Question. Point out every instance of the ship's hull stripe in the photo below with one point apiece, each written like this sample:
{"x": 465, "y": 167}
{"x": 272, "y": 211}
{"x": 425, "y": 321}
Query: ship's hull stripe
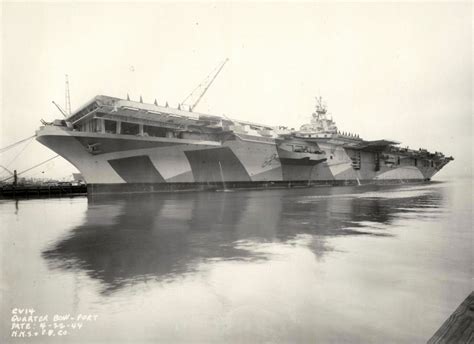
{"x": 216, "y": 165}
{"x": 108, "y": 145}
{"x": 185, "y": 177}
{"x": 136, "y": 169}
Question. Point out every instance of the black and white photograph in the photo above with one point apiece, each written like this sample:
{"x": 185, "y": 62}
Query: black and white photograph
{"x": 236, "y": 172}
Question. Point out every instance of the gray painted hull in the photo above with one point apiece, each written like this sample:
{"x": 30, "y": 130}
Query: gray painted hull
{"x": 132, "y": 188}
{"x": 125, "y": 163}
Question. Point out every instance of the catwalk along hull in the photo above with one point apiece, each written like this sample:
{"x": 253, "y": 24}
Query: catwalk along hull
{"x": 114, "y": 159}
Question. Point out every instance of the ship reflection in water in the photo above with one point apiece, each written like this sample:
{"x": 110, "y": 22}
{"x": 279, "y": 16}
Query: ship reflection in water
{"x": 363, "y": 264}
{"x": 163, "y": 235}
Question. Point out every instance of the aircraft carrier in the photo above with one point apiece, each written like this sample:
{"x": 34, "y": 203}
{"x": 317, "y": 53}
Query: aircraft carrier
{"x": 121, "y": 145}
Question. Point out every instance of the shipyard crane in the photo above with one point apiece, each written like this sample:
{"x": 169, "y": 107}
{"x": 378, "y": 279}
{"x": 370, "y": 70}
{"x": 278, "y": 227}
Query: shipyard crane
{"x": 202, "y": 88}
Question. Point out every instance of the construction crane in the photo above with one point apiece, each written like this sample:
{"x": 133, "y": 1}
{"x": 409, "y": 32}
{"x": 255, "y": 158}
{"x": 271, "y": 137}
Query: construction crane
{"x": 202, "y": 88}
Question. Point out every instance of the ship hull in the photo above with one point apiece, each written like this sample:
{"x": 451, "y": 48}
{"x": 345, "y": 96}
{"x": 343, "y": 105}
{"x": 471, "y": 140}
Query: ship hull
{"x": 99, "y": 189}
{"x": 122, "y": 163}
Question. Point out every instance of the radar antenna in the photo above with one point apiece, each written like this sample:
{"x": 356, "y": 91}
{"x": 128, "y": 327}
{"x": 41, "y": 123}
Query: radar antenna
{"x": 202, "y": 88}
{"x": 321, "y": 108}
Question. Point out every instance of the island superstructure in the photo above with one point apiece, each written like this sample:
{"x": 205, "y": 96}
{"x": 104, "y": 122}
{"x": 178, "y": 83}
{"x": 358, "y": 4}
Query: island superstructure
{"x": 120, "y": 145}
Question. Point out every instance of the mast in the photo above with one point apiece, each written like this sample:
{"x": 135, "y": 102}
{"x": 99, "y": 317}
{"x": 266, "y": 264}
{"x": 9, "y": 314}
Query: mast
{"x": 67, "y": 103}
{"x": 321, "y": 109}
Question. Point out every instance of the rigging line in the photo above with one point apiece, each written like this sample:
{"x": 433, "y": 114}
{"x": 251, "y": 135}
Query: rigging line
{"x": 6, "y": 170}
{"x": 16, "y": 156}
{"x": 201, "y": 84}
{"x": 205, "y": 84}
{"x": 29, "y": 169}
{"x": 209, "y": 84}
{"x": 14, "y": 144}
{"x": 194, "y": 91}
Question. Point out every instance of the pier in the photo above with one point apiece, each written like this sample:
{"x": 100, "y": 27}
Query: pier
{"x": 459, "y": 327}
{"x": 19, "y": 191}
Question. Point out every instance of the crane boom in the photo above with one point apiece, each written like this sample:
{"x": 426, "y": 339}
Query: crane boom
{"x": 60, "y": 108}
{"x": 206, "y": 87}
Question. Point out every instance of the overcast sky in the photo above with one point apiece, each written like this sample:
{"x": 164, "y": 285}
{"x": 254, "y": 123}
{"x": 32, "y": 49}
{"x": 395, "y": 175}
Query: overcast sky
{"x": 400, "y": 71}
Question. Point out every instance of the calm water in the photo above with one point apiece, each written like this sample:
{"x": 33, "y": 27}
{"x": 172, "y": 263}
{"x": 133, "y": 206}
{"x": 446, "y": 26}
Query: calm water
{"x": 346, "y": 264}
